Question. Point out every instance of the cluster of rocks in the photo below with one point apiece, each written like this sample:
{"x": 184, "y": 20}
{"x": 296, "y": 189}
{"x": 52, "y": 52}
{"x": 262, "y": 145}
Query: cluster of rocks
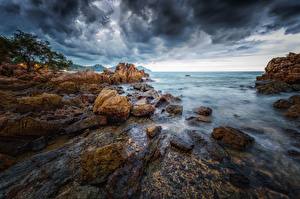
{"x": 291, "y": 106}
{"x": 282, "y": 74}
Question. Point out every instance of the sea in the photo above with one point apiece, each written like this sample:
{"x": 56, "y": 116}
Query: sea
{"x": 235, "y": 103}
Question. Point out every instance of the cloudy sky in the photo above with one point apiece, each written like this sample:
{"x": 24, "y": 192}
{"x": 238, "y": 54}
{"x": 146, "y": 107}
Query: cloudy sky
{"x": 164, "y": 35}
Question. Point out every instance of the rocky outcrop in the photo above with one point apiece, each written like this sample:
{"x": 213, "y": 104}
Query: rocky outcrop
{"x": 232, "y": 137}
{"x": 291, "y": 106}
{"x": 127, "y": 73}
{"x": 111, "y": 105}
{"x": 286, "y": 69}
{"x": 281, "y": 70}
{"x": 41, "y": 102}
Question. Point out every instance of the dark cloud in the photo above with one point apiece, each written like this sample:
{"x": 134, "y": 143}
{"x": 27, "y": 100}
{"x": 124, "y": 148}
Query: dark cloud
{"x": 142, "y": 29}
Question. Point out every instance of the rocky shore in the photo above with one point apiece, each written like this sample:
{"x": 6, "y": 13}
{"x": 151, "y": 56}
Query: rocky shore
{"x": 89, "y": 135}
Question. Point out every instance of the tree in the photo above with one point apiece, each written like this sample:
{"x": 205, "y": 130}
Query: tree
{"x": 30, "y": 50}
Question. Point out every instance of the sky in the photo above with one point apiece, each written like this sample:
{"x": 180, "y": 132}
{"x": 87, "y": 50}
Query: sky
{"x": 163, "y": 35}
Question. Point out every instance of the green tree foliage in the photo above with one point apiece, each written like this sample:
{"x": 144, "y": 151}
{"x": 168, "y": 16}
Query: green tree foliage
{"x": 30, "y": 50}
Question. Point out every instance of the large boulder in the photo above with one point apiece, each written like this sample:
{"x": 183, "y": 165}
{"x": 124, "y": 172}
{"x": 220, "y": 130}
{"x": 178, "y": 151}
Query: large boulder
{"x": 99, "y": 163}
{"x": 110, "y": 104}
{"x": 41, "y": 102}
{"x": 232, "y": 137}
{"x": 283, "y": 69}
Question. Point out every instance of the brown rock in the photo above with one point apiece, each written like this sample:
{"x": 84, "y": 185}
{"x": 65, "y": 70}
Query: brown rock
{"x": 28, "y": 126}
{"x": 232, "y": 137}
{"x": 41, "y": 102}
{"x": 282, "y": 104}
{"x": 202, "y": 110}
{"x": 127, "y": 73}
{"x": 6, "y": 161}
{"x": 285, "y": 69}
{"x": 295, "y": 99}
{"x": 110, "y": 104}
{"x": 293, "y": 111}
{"x": 174, "y": 109}
{"x": 99, "y": 163}
{"x": 67, "y": 87}
{"x": 153, "y": 130}
{"x": 273, "y": 87}
{"x": 142, "y": 110}
{"x": 7, "y": 100}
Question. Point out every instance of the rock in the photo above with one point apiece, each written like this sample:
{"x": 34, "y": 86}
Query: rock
{"x": 153, "y": 130}
{"x": 7, "y": 100}
{"x": 282, "y": 104}
{"x": 127, "y": 73}
{"x": 37, "y": 103}
{"x": 166, "y": 99}
{"x": 79, "y": 78}
{"x": 295, "y": 99}
{"x": 142, "y": 87}
{"x": 142, "y": 110}
{"x": 182, "y": 143}
{"x": 202, "y": 110}
{"x": 294, "y": 153}
{"x": 239, "y": 180}
{"x": 68, "y": 87}
{"x": 174, "y": 109}
{"x": 38, "y": 144}
{"x": 274, "y": 87}
{"x": 80, "y": 192}
{"x": 88, "y": 98}
{"x": 293, "y": 111}
{"x": 284, "y": 69}
{"x": 99, "y": 163}
{"x": 110, "y": 104}
{"x": 194, "y": 120}
{"x": 90, "y": 122}
{"x": 6, "y": 161}
{"x": 28, "y": 126}
{"x": 232, "y": 137}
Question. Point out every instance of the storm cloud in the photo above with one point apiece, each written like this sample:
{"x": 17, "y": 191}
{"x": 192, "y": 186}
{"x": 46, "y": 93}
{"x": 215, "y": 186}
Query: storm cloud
{"x": 108, "y": 31}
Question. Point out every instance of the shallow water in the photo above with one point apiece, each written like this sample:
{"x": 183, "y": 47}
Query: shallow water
{"x": 235, "y": 103}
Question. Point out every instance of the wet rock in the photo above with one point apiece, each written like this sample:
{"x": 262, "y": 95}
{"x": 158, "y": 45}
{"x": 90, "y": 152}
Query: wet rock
{"x": 166, "y": 99}
{"x": 202, "y": 110}
{"x": 274, "y": 87}
{"x": 81, "y": 192}
{"x": 41, "y": 102}
{"x": 293, "y": 111}
{"x": 142, "y": 87}
{"x": 295, "y": 99}
{"x": 88, "y": 98}
{"x": 194, "y": 120}
{"x": 72, "y": 101}
{"x": 239, "y": 180}
{"x": 282, "y": 104}
{"x": 110, "y": 104}
{"x": 153, "y": 130}
{"x": 38, "y": 144}
{"x": 294, "y": 153}
{"x": 99, "y": 163}
{"x": 183, "y": 143}
{"x": 142, "y": 110}
{"x": 232, "y": 137}
{"x": 174, "y": 109}
{"x": 6, "y": 162}
{"x": 90, "y": 122}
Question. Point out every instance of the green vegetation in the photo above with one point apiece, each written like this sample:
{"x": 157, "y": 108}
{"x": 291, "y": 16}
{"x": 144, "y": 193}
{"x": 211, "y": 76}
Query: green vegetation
{"x": 28, "y": 49}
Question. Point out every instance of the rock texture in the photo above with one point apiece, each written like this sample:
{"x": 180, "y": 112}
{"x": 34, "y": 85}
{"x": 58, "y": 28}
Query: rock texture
{"x": 284, "y": 73}
{"x": 232, "y": 137}
{"x": 286, "y": 69}
{"x": 127, "y": 73}
{"x": 110, "y": 104}
{"x": 291, "y": 106}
